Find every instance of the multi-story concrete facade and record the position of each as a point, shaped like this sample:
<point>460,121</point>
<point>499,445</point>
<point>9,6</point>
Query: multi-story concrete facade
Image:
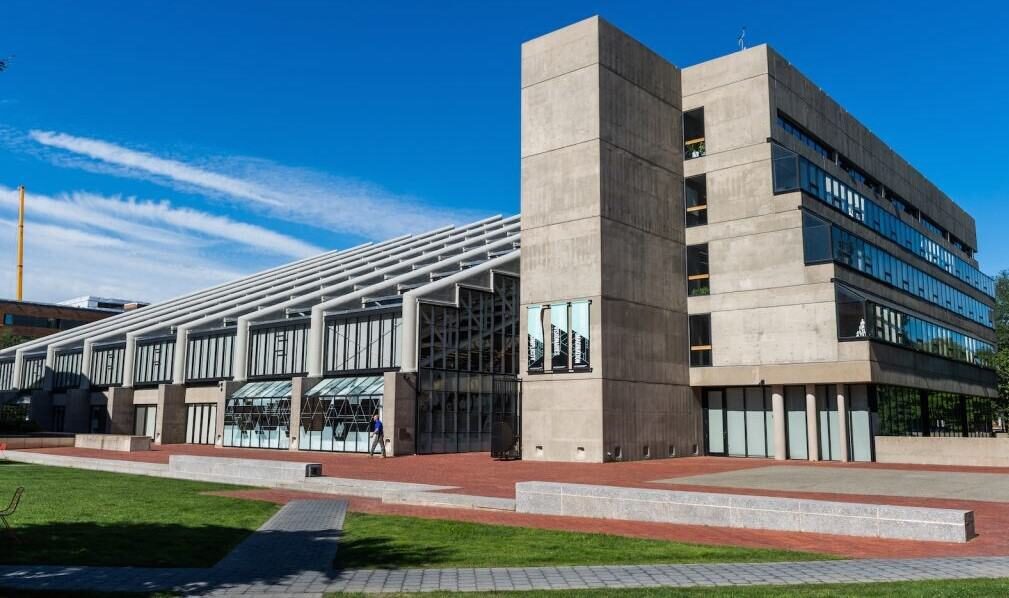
<point>716,259</point>
<point>830,288</point>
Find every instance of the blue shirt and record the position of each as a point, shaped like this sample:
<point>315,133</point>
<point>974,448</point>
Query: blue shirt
<point>376,426</point>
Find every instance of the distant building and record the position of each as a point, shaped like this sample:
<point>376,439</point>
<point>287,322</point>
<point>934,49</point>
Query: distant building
<point>34,320</point>
<point>104,303</point>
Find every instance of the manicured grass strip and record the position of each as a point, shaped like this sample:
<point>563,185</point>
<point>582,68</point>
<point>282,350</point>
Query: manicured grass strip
<point>78,517</point>
<point>967,588</point>
<point>383,541</point>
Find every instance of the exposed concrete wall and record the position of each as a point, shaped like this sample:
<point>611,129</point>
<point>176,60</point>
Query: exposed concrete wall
<point>170,425</point>
<point>601,206</point>
<point>978,452</point>
<point>399,413</point>
<point>77,417</point>
<point>41,409</point>
<point>299,388</point>
<point>807,104</point>
<point>120,410</point>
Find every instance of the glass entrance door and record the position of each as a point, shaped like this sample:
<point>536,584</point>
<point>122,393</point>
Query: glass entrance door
<point>201,423</point>
<point>144,419</point>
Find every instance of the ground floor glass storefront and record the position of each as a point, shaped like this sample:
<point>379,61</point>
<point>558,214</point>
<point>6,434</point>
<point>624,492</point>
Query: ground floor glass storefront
<point>336,414</point>
<point>739,422</point>
<point>258,415</point>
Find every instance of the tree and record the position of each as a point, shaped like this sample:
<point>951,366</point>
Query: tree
<point>9,340</point>
<point>1001,359</point>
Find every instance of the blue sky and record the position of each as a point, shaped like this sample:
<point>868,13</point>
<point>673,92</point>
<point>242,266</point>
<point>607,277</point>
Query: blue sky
<point>167,146</point>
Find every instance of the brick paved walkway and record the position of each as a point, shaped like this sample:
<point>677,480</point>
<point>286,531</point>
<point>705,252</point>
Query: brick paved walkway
<point>316,583</point>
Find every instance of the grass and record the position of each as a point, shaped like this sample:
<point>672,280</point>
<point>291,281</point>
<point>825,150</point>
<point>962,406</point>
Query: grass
<point>78,517</point>
<point>905,589</point>
<point>383,541</point>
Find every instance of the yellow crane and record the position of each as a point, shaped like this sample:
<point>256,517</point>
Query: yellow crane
<point>21,243</point>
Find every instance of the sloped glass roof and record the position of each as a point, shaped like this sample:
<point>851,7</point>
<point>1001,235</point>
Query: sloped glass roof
<point>344,387</point>
<point>264,390</point>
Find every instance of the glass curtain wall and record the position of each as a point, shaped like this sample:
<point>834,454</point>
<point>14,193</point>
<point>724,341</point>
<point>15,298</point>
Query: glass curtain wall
<point>906,411</point>
<point>336,414</point>
<point>258,415</point>
<point>462,352</point>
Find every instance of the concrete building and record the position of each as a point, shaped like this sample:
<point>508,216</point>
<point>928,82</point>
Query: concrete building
<point>106,303</point>
<point>716,260</point>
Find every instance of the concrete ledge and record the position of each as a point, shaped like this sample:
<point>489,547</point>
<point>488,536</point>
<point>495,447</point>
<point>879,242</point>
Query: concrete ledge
<point>241,471</point>
<point>33,442</point>
<point>743,511</point>
<point>112,465</point>
<point>931,450</point>
<point>113,442</point>
<point>451,501</point>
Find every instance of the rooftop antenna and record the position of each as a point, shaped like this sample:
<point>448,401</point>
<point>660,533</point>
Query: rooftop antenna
<point>741,40</point>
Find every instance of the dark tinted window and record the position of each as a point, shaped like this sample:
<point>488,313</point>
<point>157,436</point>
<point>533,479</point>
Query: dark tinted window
<point>815,239</point>
<point>696,200</point>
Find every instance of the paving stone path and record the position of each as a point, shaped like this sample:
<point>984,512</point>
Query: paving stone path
<point>292,554</point>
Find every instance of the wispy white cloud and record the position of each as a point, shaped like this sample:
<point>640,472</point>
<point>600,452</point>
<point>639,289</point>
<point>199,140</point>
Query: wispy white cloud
<point>84,243</point>
<point>294,194</point>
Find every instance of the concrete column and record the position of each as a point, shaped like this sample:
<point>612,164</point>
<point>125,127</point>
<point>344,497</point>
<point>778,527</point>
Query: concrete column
<point>86,365</point>
<point>812,429</point>
<point>19,362</point>
<point>778,413</point>
<point>170,422</point>
<point>120,410</point>
<point>129,355</point>
<point>316,337</point>
<point>408,352</point>
<point>179,357</point>
<point>399,413</point>
<point>842,423</point>
<point>299,387</point>
<point>240,352</point>
<point>48,378</point>
<point>77,418</point>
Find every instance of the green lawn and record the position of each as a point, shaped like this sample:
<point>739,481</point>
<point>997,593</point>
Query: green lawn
<point>914,589</point>
<point>382,541</point>
<point>78,517</point>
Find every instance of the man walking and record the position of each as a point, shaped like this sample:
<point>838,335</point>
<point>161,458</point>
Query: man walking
<point>378,431</point>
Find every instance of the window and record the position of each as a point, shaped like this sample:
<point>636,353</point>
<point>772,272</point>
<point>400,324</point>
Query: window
<point>695,194</point>
<point>815,239</point>
<point>559,337</point>
<point>785,166</point>
<point>850,314</point>
<point>693,133</point>
<point>856,253</point>
<point>858,318</point>
<point>8,319</point>
<point>791,172</point>
<point>796,131</point>
<point>698,276</point>
<point>534,338</point>
<point>700,340</point>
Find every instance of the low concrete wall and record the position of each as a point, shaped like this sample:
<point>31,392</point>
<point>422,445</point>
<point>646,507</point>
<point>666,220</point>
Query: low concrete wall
<point>222,469</point>
<point>932,450</point>
<point>33,442</point>
<point>742,511</point>
<point>113,442</point>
